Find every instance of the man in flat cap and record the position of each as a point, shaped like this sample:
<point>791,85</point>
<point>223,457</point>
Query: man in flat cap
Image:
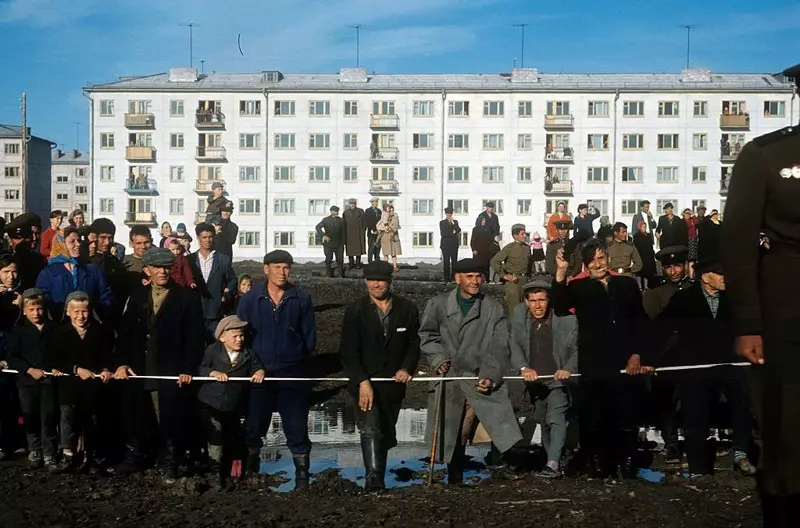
<point>372,215</point>
<point>331,229</point>
<point>226,231</point>
<point>671,229</point>
<point>563,228</point>
<point>160,334</point>
<point>29,262</point>
<point>449,232</point>
<point>464,333</point>
<point>354,230</point>
<point>281,317</point>
<point>379,339</point>
<point>513,265</point>
<point>215,203</point>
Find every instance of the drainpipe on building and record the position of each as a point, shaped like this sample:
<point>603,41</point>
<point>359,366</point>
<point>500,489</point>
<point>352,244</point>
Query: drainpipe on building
<point>613,216</point>
<point>792,120</point>
<point>91,154</point>
<point>267,143</point>
<point>442,174</point>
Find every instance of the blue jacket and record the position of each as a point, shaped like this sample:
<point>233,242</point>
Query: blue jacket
<point>56,283</point>
<point>585,224</point>
<point>282,336</point>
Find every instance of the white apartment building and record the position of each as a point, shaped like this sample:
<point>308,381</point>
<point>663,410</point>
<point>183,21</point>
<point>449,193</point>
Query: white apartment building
<point>287,146</point>
<point>38,173</point>
<point>70,180</point>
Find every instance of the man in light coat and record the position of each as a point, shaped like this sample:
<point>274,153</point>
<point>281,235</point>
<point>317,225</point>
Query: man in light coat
<point>464,333</point>
<point>544,344</point>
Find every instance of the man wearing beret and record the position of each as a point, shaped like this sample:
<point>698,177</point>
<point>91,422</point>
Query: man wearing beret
<point>29,262</point>
<point>331,229</point>
<point>160,334</point>
<point>281,318</point>
<point>513,265</point>
<point>464,333</point>
<point>379,339</point>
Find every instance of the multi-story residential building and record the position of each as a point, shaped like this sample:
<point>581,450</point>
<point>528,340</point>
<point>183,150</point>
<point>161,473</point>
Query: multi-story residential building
<point>37,188</point>
<point>70,180</point>
<point>289,146</point>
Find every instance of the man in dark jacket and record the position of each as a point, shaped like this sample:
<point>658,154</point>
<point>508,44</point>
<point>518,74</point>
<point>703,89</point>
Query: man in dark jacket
<point>482,245</point>
<point>216,202</point>
<point>104,231</point>
<point>584,221</point>
<point>492,221</point>
<point>671,230</point>
<point>331,229</point>
<point>29,262</point>
<point>160,334</point>
<point>354,229</point>
<point>450,232</point>
<point>372,215</point>
<point>226,231</point>
<point>379,339</point>
<point>284,333</point>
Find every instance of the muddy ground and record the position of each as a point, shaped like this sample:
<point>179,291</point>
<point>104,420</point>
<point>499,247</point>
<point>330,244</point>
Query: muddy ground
<point>507,499</point>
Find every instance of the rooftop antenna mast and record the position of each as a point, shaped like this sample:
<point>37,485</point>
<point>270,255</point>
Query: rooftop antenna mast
<point>688,28</point>
<point>357,27</point>
<point>78,136</point>
<point>522,44</point>
<point>191,26</point>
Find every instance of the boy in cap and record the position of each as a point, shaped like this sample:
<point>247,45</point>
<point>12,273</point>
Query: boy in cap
<point>331,229</point>
<point>215,202</point>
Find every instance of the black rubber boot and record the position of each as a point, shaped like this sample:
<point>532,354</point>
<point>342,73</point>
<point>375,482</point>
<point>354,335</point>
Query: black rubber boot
<point>301,474</point>
<point>455,468</point>
<point>169,465</point>
<point>374,463</point>
<point>627,460</point>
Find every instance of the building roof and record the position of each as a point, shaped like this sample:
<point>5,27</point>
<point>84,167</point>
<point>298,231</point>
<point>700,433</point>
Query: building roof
<point>519,80</point>
<point>69,157</point>
<point>15,131</point>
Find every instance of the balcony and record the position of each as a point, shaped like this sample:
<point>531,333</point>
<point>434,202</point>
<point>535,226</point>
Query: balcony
<point>384,154</point>
<point>203,185</point>
<point>735,121</point>
<point>729,153</point>
<point>209,120</point>
<point>140,120</point>
<point>199,218</point>
<point>558,154</point>
<point>559,122</point>
<point>563,187</point>
<point>141,186</point>
<point>384,187</point>
<point>211,154</point>
<point>135,153</point>
<point>143,219</point>
<point>380,121</point>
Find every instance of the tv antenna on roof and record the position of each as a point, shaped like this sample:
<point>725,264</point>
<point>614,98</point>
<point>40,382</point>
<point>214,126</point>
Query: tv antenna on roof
<point>522,44</point>
<point>191,26</point>
<point>688,28</point>
<point>357,27</point>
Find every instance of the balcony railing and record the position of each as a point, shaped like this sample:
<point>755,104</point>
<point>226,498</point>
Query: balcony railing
<point>211,153</point>
<point>559,121</point>
<point>209,120</point>
<point>384,187</point>
<point>145,219</point>
<point>140,120</point>
<point>384,154</point>
<point>558,154</point>
<point>729,152</point>
<point>136,153</point>
<point>199,217</point>
<point>141,186</point>
<point>734,121</point>
<point>204,185</point>
<point>557,187</point>
<point>384,121</point>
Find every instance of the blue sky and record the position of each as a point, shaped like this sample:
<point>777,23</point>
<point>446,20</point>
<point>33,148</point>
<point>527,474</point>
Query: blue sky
<point>51,48</point>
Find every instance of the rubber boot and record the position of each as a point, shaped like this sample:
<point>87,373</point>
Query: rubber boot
<point>215,462</point>
<point>301,474</point>
<point>455,468</point>
<point>374,463</point>
<point>252,464</point>
<point>627,460</point>
<point>169,465</point>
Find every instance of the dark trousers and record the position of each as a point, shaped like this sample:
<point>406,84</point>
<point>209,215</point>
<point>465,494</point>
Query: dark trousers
<point>699,392</point>
<point>608,417</point>
<point>40,413</point>
<point>224,429</point>
<point>354,260</point>
<point>373,251</point>
<point>76,421</point>
<point>157,419</point>
<point>449,258</point>
<point>210,329</point>
<point>664,403</point>
<point>9,414</point>
<point>332,252</point>
<point>379,423</point>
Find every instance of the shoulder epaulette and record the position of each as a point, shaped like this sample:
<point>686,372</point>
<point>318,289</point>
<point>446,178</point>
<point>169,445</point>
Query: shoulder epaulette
<point>772,137</point>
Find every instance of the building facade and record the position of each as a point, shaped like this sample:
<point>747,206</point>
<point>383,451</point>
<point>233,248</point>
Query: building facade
<point>289,146</point>
<point>37,192</point>
<point>70,180</point>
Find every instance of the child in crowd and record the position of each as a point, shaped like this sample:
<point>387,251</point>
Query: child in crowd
<point>245,283</point>
<point>537,254</point>
<point>222,404</point>
<point>28,352</point>
<point>181,271</point>
<point>186,241</point>
<point>180,230</point>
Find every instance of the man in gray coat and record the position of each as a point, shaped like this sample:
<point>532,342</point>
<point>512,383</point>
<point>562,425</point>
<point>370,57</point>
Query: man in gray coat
<point>464,333</point>
<point>543,343</point>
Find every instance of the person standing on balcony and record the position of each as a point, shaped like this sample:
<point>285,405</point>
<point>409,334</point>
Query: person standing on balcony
<point>226,231</point>
<point>331,229</point>
<point>215,202</point>
<point>389,228</point>
<point>371,218</point>
<point>449,230</point>
<point>559,216</point>
<point>353,220</point>
<point>671,230</point>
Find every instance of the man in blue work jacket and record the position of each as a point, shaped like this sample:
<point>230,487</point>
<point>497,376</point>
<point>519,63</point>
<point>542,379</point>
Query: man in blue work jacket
<point>281,319</point>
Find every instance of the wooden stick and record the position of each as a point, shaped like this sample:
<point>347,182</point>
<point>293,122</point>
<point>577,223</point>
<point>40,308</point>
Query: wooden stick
<point>435,437</point>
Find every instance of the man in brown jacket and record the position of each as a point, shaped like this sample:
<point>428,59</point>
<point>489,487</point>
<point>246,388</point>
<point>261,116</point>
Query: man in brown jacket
<point>622,255</point>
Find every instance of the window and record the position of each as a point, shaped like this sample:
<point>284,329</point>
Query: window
<point>107,173</point>
<point>284,141</point>
<point>13,172</point>
<point>80,190</point>
<point>283,206</point>
<point>668,142</point>
<point>249,173</point>
<point>423,174</point>
<point>107,206</point>
<point>632,141</point>
<point>498,206</point>
<point>384,108</point>
<point>318,206</point>
<point>458,174</point>
<point>668,109</point>
<point>422,207</point>
<point>12,194</point>
<point>700,141</point>
<point>629,207</point>
<point>525,109</point>
<point>351,108</point>
<point>463,239</point>
<point>59,179</point>
<point>319,141</point>
<point>423,141</point>
<point>458,141</point>
<point>493,142</point>
<point>249,239</point>
<point>524,142</point>
<point>423,108</point>
<point>176,141</point>
<point>249,206</point>
<point>524,175</point>
<point>524,206</point>
<point>176,108</point>
<point>383,173</point>
<point>633,108</point>
<point>176,174</point>
<point>667,175</point>
<point>61,196</point>
<point>106,108</point>
<point>632,174</point>
<point>423,239</point>
<point>319,108</point>
<point>249,141</point>
<point>141,139</point>
<point>459,206</point>
<point>660,204</point>
<point>458,108</point>
<point>597,174</point>
<point>551,206</point>
<point>774,109</point>
<point>597,142</point>
<point>283,173</point>
<point>206,172</point>
<point>176,206</point>
<point>598,108</point>
<point>80,173</point>
<point>493,174</point>
<point>106,141</point>
<point>734,107</point>
<point>139,107</point>
<point>600,205</point>
<point>557,173</point>
<point>314,239</point>
<point>249,108</point>
<point>319,173</point>
<point>493,108</point>
<point>557,108</point>
<point>698,203</point>
<point>351,141</point>
<point>284,108</point>
<point>350,174</point>
<point>699,174</point>
<point>284,239</point>
<point>560,141</point>
<point>700,109</point>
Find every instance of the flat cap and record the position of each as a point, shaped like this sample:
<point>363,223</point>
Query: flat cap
<point>32,292</point>
<point>538,283</point>
<point>158,258</point>
<point>668,205</point>
<point>489,204</point>
<point>564,224</point>
<point>217,185</point>
<point>469,265</point>
<point>228,323</point>
<point>334,208</point>
<point>278,256</point>
<point>708,265</point>
<point>378,270</point>
<point>103,225</point>
<point>518,226</point>
<point>448,210</point>
<point>16,229</point>
<point>673,255</point>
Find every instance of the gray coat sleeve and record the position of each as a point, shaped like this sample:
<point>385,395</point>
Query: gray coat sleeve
<point>519,356</point>
<point>571,364</point>
<point>430,336</point>
<point>496,361</point>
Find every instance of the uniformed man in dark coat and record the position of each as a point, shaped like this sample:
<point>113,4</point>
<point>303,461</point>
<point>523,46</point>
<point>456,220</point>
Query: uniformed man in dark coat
<point>554,245</point>
<point>761,255</point>
<point>331,229</point>
<point>354,229</point>
<point>673,263</point>
<point>449,231</point>
<point>372,215</point>
<point>29,262</point>
<point>379,339</point>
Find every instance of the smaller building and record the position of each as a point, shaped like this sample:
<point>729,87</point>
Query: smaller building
<point>70,180</point>
<point>38,187</point>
